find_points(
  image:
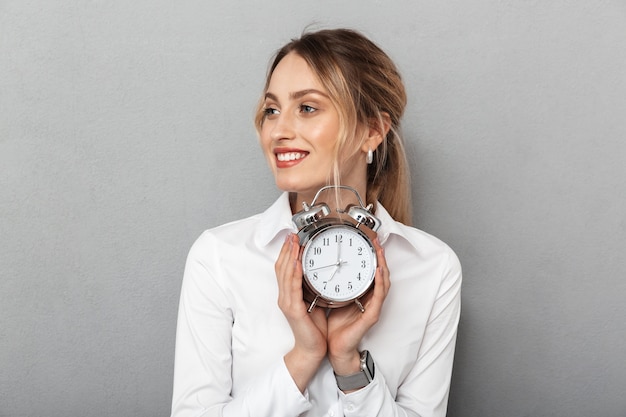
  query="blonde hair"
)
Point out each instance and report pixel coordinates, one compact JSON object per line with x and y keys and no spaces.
{"x":365,"y":86}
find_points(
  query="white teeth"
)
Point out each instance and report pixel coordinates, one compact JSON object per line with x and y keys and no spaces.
{"x":290,"y":156}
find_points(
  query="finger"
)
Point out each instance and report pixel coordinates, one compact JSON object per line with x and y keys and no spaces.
{"x":381,"y":284}
{"x":288,"y":255}
{"x":289,"y":274}
{"x":374,"y":304}
{"x":294,"y":267}
{"x":382,"y":266}
{"x":284,"y":267}
{"x":283,"y":255}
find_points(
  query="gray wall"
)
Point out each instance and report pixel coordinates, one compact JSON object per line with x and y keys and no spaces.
{"x":125,"y":130}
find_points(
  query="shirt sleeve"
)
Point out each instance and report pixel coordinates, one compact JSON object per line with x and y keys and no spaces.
{"x":425,"y":390}
{"x":203,"y":359}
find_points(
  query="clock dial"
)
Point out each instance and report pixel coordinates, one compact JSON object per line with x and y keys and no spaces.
{"x":339,"y":263}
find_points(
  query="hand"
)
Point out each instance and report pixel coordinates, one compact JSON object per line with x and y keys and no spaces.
{"x":309,"y":329}
{"x":347,"y":325}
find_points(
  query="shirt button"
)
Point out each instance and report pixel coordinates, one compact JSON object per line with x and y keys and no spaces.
{"x":350,"y":407}
{"x":331,"y":413}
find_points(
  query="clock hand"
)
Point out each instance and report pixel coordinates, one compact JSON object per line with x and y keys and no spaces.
{"x":322,"y":267}
{"x":337,"y":264}
{"x":334,"y":272}
{"x":339,"y":251}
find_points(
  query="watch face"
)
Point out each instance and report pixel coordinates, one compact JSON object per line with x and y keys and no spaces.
{"x":339,"y":263}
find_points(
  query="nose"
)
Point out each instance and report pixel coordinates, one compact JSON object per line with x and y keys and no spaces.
{"x":283,"y":127}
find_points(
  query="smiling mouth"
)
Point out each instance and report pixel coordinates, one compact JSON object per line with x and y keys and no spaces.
{"x":290,"y":156}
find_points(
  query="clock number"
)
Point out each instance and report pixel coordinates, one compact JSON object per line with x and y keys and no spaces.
{"x":358,"y":276}
{"x":338,"y":238}
{"x":317,"y":251}
{"x":349,"y":285}
{"x":350,"y":242}
{"x":311,"y":263}
{"x":325,"y":282}
{"x":363,"y":264}
{"x":337,"y":288}
{"x":325,"y":241}
{"x":360,"y":250}
{"x":315,"y":277}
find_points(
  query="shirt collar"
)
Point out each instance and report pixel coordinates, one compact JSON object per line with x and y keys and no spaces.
{"x":388,"y":225}
{"x":277,"y":219}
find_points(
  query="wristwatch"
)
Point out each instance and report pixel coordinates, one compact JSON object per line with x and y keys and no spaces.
{"x":361,"y":378}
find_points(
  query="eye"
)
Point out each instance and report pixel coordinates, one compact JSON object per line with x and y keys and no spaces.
{"x":307,"y":109}
{"x":270,"y":111}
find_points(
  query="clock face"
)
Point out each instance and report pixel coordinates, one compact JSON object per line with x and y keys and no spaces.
{"x":339,"y":263}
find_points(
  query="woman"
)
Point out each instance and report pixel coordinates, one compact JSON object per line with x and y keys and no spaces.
{"x":330,"y":114}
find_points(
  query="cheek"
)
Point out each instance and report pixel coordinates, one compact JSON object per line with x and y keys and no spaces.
{"x":265,"y":146}
{"x":263,"y":131}
{"x":270,"y":159}
{"x":325,"y":136}
{"x":264,"y":139}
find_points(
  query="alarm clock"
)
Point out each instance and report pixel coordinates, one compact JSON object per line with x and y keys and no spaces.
{"x":338,"y":255}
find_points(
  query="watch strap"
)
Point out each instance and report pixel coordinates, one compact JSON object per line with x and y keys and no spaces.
{"x":359,"y":379}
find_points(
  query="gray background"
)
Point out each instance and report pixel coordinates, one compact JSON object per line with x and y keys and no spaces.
{"x":126,"y":130}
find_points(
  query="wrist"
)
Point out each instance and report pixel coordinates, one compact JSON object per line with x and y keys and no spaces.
{"x":302,"y":366}
{"x":362,"y":378}
{"x":347,"y":363}
{"x":313,"y":356}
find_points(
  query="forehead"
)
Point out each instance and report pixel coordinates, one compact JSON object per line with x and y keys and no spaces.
{"x":293,"y":74}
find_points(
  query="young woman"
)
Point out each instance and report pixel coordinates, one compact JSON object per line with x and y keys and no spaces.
{"x":246,"y":344}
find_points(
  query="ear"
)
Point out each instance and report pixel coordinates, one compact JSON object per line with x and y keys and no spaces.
{"x":377,"y":131}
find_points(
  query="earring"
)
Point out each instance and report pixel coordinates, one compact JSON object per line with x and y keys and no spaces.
{"x":370,"y":157}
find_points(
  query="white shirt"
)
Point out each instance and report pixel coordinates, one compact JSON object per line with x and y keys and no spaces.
{"x":231,"y":335}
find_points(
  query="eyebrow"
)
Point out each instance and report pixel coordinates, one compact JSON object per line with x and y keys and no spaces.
{"x":298,"y":94}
